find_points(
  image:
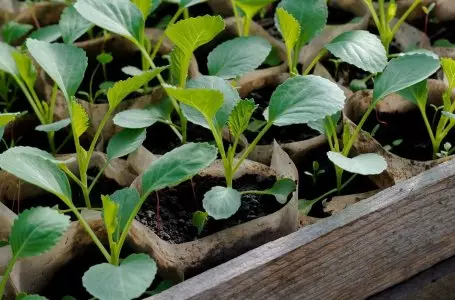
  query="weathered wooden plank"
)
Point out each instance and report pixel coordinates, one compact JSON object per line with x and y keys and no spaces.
{"x":369,"y":247}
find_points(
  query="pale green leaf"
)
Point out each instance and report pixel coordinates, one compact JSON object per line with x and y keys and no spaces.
{"x":230,"y":99}
{"x":123,"y":88}
{"x":37,"y":170}
{"x":361,"y":49}
{"x":239,"y":119}
{"x":125,"y":142}
{"x":289,"y":28}
{"x":49,"y":33}
{"x":110,"y":210}
{"x":417,"y":93}
{"x":145,"y":6}
{"x":403,"y":72}
{"x":449,"y":115}
{"x":73,"y":25}
{"x":363,"y":164}
{"x":132,"y":71}
{"x":127,"y":199}
{"x":177,"y":166}
{"x":118,"y":16}
{"x":252,"y":7}
{"x":6,"y":118}
{"x":79,"y":118}
{"x":310,"y":14}
{"x":281,"y":189}
{"x":13,"y":31}
{"x":7,"y":62}
{"x":238,"y":56}
{"x":25,"y":67}
{"x":65,"y":64}
{"x":53,"y":127}
{"x":36,"y":231}
{"x":448,"y":65}
{"x":221,"y":202}
{"x":143,"y":118}
{"x":127,"y":281}
{"x":303,"y":99}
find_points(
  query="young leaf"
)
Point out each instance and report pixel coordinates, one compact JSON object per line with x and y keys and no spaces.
{"x":231,"y":98}
{"x":145,"y":6}
{"x":363,"y":164}
{"x":49,"y":33}
{"x":311,"y":15}
{"x":221,"y":202}
{"x":207,"y":102}
{"x":110,"y":211}
{"x":118,"y":16}
{"x":12,"y":31}
{"x":361,"y":49}
{"x":417,"y":67}
{"x":79,"y":117}
{"x":281,"y":189}
{"x":199,"y":220}
{"x":7,"y":63}
{"x":177,"y":166}
{"x":448,"y":65}
{"x":104,"y":58}
{"x":6,"y":118}
{"x":127,"y":199}
{"x":239,"y":119}
{"x":417,"y":93}
{"x":238,"y":56}
{"x":53,"y":127}
{"x":127,"y":281}
{"x":123,"y":88}
{"x":188,"y":35}
{"x":36,"y":231}
{"x":132,"y":71}
{"x":251,"y":7}
{"x":289,"y":29}
{"x":303,"y":99}
{"x":37,"y":170}
{"x":73,"y":25}
{"x":25,"y":68}
{"x":125,"y":142}
{"x":65,"y":64}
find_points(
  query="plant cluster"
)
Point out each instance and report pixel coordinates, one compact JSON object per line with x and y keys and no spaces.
{"x":211,"y":101}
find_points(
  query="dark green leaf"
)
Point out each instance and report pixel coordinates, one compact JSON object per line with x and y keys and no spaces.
{"x":199,"y":220}
{"x":417,"y":93}
{"x":12,"y":31}
{"x":125,"y":142}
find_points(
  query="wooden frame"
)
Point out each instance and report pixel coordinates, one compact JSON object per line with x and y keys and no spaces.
{"x":367,"y":248}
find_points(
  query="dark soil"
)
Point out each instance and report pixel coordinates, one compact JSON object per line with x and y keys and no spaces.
{"x":68,"y":280}
{"x":283,"y":134}
{"x":411,"y":129}
{"x":438,"y":30}
{"x":326,"y":181}
{"x":105,"y":186}
{"x":177,"y":205}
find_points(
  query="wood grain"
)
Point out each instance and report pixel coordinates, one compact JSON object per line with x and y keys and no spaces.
{"x":368,"y":248}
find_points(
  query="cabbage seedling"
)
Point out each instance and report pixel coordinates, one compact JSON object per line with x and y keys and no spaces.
{"x":34,"y":232}
{"x":301,"y":99}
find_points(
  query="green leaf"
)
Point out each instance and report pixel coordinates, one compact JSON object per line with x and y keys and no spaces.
{"x":79,"y":118}
{"x":361,"y":49}
{"x":123,"y":88}
{"x":221,"y":202}
{"x":25,"y":67}
{"x":199,"y":220}
{"x":36,"y":231}
{"x":7,"y":63}
{"x":416,"y":67}
{"x":363,"y":164}
{"x":238,"y":56}
{"x":281,"y":189}
{"x":72,"y":25}
{"x":31,"y":297}
{"x":4,"y":243}
{"x":127,"y":281}
{"x":207,"y":102}
{"x":417,"y":93}
{"x":53,"y":127}
{"x":289,"y":29}
{"x":448,"y":65}
{"x":138,"y":118}
{"x":12,"y":31}
{"x":239,"y":120}
{"x":132,"y":71}
{"x":49,"y":33}
{"x":319,"y":125}
{"x":252,"y":7}
{"x":104,"y":58}
{"x":6,"y":118}
{"x":305,"y":206}
{"x":127,"y":199}
{"x":177,"y":166}
{"x":443,"y":43}
{"x":303,"y":99}
{"x":118,"y":16}
{"x":110,"y":211}
{"x":231,"y":98}
{"x":186,"y":3}
{"x":65,"y":64}
{"x":145,"y":6}
{"x":358,"y":85}
{"x":125,"y":142}
{"x":36,"y":170}
{"x":188,"y":35}
{"x":310,"y":14}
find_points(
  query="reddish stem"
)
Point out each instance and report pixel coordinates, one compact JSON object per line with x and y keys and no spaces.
{"x":426,"y":24}
{"x":379,"y":120}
